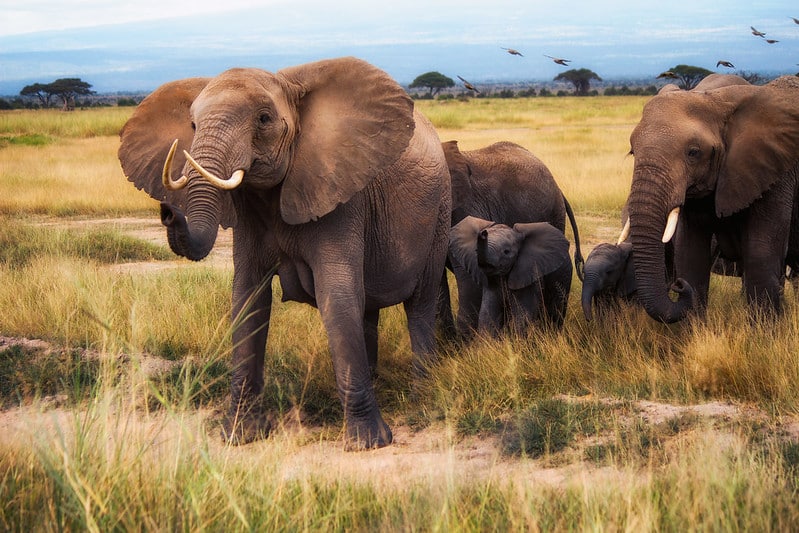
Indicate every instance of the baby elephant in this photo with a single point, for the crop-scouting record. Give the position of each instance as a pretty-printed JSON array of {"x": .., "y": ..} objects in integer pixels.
[
  {"x": 609, "y": 276},
  {"x": 521, "y": 271}
]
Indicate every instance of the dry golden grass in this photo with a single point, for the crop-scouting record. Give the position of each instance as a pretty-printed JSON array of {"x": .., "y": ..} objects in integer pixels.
[{"x": 596, "y": 428}]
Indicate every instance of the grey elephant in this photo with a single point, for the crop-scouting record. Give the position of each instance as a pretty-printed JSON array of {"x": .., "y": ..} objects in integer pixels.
[
  {"x": 608, "y": 279},
  {"x": 504, "y": 183},
  {"x": 520, "y": 270},
  {"x": 329, "y": 178},
  {"x": 723, "y": 161}
]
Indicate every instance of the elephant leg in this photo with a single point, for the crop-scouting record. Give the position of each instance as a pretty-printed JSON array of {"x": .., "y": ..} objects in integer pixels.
[
  {"x": 370, "y": 323},
  {"x": 420, "y": 310},
  {"x": 765, "y": 245},
  {"x": 340, "y": 298},
  {"x": 693, "y": 257},
  {"x": 252, "y": 304},
  {"x": 470, "y": 296},
  {"x": 524, "y": 308},
  {"x": 556, "y": 287}
]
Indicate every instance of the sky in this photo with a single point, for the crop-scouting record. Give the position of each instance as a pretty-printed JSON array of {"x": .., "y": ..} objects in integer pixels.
[{"x": 127, "y": 45}]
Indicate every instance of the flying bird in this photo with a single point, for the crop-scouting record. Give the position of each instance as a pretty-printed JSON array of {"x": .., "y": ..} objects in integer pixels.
[
  {"x": 725, "y": 64},
  {"x": 559, "y": 61},
  {"x": 468, "y": 85},
  {"x": 796, "y": 20},
  {"x": 772, "y": 41},
  {"x": 668, "y": 74},
  {"x": 757, "y": 33},
  {"x": 512, "y": 51}
]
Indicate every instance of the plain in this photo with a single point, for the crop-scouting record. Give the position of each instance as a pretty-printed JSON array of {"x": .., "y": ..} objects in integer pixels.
[{"x": 114, "y": 369}]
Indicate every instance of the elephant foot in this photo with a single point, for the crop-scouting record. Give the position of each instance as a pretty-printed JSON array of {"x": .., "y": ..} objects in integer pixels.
[
  {"x": 244, "y": 426},
  {"x": 367, "y": 435}
]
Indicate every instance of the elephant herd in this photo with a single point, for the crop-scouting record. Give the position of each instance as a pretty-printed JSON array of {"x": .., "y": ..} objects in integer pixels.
[{"x": 335, "y": 183}]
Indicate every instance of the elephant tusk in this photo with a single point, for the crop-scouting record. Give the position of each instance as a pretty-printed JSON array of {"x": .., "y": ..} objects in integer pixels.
[
  {"x": 225, "y": 185},
  {"x": 166, "y": 176},
  {"x": 625, "y": 232},
  {"x": 671, "y": 225}
]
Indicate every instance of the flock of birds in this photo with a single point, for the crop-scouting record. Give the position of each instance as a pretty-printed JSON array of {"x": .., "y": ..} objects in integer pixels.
[{"x": 667, "y": 74}]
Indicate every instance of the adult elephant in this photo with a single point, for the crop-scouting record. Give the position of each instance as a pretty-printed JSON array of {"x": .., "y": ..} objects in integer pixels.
[
  {"x": 329, "y": 178},
  {"x": 723, "y": 161},
  {"x": 507, "y": 184}
]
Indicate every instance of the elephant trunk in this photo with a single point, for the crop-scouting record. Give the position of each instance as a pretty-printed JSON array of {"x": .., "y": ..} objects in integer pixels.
[
  {"x": 193, "y": 234},
  {"x": 649, "y": 205},
  {"x": 591, "y": 285}
]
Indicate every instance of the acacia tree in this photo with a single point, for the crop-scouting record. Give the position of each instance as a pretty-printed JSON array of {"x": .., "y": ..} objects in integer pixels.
[
  {"x": 688, "y": 76},
  {"x": 40, "y": 91},
  {"x": 66, "y": 89},
  {"x": 580, "y": 78},
  {"x": 435, "y": 81}
]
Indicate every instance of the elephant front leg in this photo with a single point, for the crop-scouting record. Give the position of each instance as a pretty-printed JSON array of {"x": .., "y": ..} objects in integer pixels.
[
  {"x": 246, "y": 420},
  {"x": 342, "y": 310},
  {"x": 492, "y": 310}
]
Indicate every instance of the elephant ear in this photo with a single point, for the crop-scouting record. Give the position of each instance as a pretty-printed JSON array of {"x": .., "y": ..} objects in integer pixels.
[
  {"x": 762, "y": 140},
  {"x": 626, "y": 285},
  {"x": 146, "y": 137},
  {"x": 354, "y": 121},
  {"x": 460, "y": 175},
  {"x": 463, "y": 246},
  {"x": 543, "y": 250}
]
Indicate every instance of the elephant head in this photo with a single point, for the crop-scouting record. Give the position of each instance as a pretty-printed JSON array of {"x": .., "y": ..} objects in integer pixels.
[
  {"x": 726, "y": 146},
  {"x": 521, "y": 254},
  {"x": 313, "y": 133},
  {"x": 609, "y": 273}
]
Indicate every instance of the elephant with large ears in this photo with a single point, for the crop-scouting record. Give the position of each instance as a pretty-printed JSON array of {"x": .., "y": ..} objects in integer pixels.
[
  {"x": 515, "y": 268},
  {"x": 720, "y": 161},
  {"x": 505, "y": 183},
  {"x": 329, "y": 178}
]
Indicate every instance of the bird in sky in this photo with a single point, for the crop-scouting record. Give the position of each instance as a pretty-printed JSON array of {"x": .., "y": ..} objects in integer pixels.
[
  {"x": 757, "y": 33},
  {"x": 512, "y": 51},
  {"x": 668, "y": 74},
  {"x": 559, "y": 61},
  {"x": 725, "y": 64},
  {"x": 796, "y": 20},
  {"x": 468, "y": 85},
  {"x": 772, "y": 41}
]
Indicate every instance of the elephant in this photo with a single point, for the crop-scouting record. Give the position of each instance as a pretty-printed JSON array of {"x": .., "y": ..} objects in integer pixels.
[
  {"x": 724, "y": 162},
  {"x": 331, "y": 180},
  {"x": 505, "y": 183},
  {"x": 608, "y": 278},
  {"x": 515, "y": 267}
]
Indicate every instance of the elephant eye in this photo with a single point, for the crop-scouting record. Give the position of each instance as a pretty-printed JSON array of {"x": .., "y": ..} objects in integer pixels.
[
  {"x": 694, "y": 152},
  {"x": 193, "y": 126},
  {"x": 264, "y": 119}
]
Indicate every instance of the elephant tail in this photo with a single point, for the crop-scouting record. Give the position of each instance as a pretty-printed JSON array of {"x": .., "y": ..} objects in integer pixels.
[{"x": 579, "y": 262}]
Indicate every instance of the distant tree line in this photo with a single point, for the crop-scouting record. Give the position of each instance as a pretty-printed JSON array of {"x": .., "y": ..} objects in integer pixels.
[{"x": 66, "y": 93}]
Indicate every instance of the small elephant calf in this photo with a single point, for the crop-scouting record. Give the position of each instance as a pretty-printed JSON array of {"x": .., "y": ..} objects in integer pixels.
[
  {"x": 609, "y": 276},
  {"x": 521, "y": 270}
]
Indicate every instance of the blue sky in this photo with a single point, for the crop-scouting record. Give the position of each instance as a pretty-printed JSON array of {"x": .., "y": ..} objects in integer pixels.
[{"x": 137, "y": 45}]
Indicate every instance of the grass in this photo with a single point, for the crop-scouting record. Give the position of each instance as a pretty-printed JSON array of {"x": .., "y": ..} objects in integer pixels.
[{"x": 114, "y": 426}]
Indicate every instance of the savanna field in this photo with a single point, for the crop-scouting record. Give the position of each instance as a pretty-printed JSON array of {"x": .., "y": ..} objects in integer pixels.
[{"x": 115, "y": 354}]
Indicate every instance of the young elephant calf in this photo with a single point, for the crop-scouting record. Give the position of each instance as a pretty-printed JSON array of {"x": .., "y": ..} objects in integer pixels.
[{"x": 522, "y": 271}]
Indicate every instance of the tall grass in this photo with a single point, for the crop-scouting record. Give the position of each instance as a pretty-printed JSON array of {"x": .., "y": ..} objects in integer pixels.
[{"x": 116, "y": 427}]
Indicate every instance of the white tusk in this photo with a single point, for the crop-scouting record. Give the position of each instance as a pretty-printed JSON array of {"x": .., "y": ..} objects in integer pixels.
[
  {"x": 166, "y": 175},
  {"x": 671, "y": 225},
  {"x": 625, "y": 232},
  {"x": 225, "y": 185}
]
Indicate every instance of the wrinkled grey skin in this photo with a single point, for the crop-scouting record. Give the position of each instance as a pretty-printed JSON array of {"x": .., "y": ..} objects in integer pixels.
[
  {"x": 729, "y": 157},
  {"x": 345, "y": 195},
  {"x": 609, "y": 278},
  {"x": 505, "y": 183},
  {"x": 516, "y": 269}
]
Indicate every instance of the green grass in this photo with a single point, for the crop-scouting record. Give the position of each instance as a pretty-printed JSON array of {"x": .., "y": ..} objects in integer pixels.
[{"x": 116, "y": 426}]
